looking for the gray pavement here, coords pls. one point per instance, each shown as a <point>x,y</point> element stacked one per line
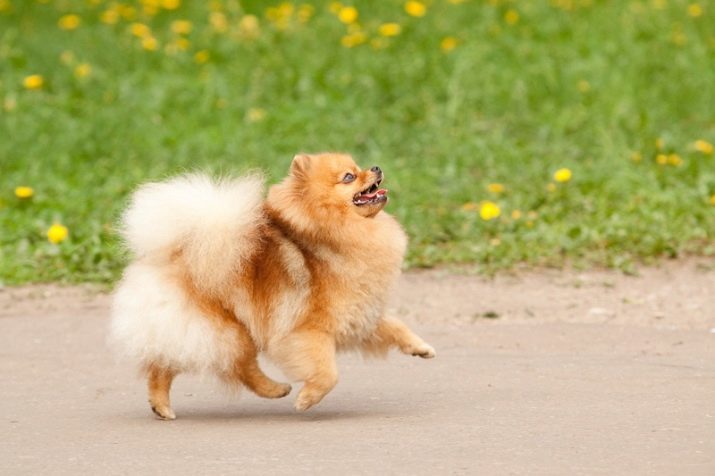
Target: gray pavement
<point>499,398</point>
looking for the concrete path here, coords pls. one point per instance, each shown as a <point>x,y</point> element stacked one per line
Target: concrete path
<point>502,397</point>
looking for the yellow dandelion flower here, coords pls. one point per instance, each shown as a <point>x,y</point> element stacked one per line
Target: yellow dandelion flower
<point>140,30</point>
<point>9,104</point>
<point>5,6</point>
<point>181,27</point>
<point>280,16</point>
<point>256,114</point>
<point>636,157</point>
<point>57,233</point>
<point>202,56</point>
<point>712,199</point>
<point>286,9</point>
<point>661,159</point>
<point>703,147</point>
<point>305,11</point>
<point>127,12</point>
<point>389,29</point>
<point>150,7</point>
<point>181,44</point>
<point>218,22</point>
<point>660,143</point>
<point>353,39</point>
<point>415,9</point>
<point>562,175</point>
<point>170,4</point>
<point>674,159</point>
<point>273,15</point>
<point>448,43</point>
<point>248,26</point>
<point>511,17</point>
<point>695,10</point>
<point>24,192</point>
<point>34,81</point>
<point>82,70</point>
<point>109,17</point>
<point>469,206</point>
<point>348,15</point>
<point>495,187</point>
<point>516,214</point>
<point>489,210</point>
<point>69,22</point>
<point>150,43</point>
<point>584,86</point>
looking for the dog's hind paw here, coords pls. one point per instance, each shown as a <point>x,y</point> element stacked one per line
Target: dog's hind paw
<point>425,351</point>
<point>267,388</point>
<point>282,389</point>
<point>163,412</point>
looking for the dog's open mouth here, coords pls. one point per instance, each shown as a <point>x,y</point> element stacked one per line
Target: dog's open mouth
<point>371,195</point>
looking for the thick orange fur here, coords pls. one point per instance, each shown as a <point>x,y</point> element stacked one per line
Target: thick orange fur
<point>314,280</point>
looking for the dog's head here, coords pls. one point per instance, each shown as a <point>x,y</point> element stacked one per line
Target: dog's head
<point>334,182</point>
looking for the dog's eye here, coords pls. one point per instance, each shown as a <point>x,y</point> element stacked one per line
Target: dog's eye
<point>348,178</point>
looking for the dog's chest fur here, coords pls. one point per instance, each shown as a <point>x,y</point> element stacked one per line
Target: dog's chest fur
<point>358,302</point>
<point>346,288</point>
<point>358,290</point>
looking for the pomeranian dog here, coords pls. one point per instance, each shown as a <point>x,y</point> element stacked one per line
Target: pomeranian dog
<point>220,274</point>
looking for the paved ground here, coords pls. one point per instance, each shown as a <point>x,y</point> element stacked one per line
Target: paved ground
<point>580,373</point>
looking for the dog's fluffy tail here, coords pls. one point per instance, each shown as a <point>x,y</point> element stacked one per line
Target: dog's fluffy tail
<point>212,223</point>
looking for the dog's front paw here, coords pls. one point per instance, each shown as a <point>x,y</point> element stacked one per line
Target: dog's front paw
<point>304,401</point>
<point>310,395</point>
<point>425,351</point>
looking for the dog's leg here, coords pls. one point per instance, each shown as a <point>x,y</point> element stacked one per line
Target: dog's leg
<point>247,371</point>
<point>308,355</point>
<point>262,385</point>
<point>160,379</point>
<point>250,374</point>
<point>392,332</point>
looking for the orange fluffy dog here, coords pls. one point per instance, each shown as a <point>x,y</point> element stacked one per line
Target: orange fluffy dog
<point>220,275</point>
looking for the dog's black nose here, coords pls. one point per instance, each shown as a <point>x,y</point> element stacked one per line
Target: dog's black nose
<point>376,169</point>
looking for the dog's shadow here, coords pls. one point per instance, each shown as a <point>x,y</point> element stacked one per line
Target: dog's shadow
<point>279,416</point>
<point>283,416</point>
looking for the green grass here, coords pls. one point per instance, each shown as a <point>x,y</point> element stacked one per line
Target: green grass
<point>582,88</point>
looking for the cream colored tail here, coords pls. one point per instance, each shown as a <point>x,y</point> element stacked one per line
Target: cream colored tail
<point>213,223</point>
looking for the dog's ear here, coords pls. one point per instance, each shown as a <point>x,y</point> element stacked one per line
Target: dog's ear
<point>300,166</point>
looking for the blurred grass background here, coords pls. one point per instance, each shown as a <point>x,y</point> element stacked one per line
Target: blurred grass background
<point>469,106</point>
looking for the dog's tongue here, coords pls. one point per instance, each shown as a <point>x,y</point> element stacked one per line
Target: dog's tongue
<point>381,191</point>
